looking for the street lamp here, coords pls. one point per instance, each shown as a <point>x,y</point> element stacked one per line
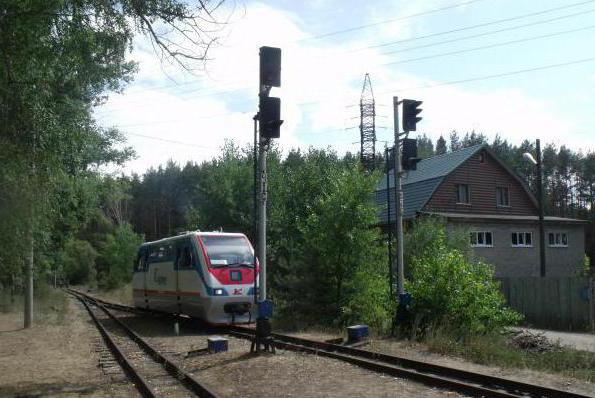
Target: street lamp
<point>528,157</point>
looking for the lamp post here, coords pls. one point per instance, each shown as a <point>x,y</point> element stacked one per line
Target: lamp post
<point>537,163</point>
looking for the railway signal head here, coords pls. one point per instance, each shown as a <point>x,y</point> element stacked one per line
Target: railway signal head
<point>409,157</point>
<point>270,66</point>
<point>410,111</point>
<point>270,117</point>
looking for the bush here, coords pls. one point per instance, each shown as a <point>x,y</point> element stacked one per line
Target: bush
<point>450,290</point>
<point>78,261</point>
<point>117,256</point>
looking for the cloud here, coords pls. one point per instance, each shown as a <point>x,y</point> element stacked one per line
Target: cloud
<point>321,81</point>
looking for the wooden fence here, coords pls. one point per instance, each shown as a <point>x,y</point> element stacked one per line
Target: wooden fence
<point>562,303</point>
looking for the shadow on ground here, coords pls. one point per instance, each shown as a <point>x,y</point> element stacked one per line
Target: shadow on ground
<point>31,390</point>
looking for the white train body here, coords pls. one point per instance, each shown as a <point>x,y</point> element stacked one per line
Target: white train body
<point>209,275</point>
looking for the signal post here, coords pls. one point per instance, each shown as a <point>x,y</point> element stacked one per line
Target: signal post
<point>269,123</point>
<point>405,159</point>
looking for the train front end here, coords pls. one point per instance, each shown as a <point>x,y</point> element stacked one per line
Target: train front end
<point>229,259</point>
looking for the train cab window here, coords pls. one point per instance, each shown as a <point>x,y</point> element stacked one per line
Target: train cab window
<point>153,254</point>
<point>184,257</point>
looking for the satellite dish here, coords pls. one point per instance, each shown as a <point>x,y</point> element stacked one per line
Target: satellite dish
<point>528,157</point>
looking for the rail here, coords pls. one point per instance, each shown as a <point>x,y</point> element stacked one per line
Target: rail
<point>466,382</point>
<point>189,381</point>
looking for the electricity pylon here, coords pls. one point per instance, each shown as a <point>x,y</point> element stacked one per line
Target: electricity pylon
<point>367,126</point>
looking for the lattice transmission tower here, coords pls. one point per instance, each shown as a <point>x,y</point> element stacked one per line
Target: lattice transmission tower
<point>367,126</point>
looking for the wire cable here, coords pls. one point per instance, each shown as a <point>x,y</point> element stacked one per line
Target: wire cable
<point>170,141</point>
<point>435,34</point>
<point>461,81</point>
<point>506,43</point>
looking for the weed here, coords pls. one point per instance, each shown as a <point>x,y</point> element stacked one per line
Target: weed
<point>495,350</point>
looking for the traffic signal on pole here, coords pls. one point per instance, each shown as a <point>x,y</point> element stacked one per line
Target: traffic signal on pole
<point>410,111</point>
<point>409,157</point>
<point>270,66</point>
<point>270,117</point>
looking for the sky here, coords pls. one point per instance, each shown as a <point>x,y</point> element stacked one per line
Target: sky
<point>522,69</point>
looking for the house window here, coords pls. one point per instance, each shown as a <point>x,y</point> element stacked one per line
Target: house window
<point>481,239</point>
<point>522,239</point>
<point>558,239</point>
<point>463,194</point>
<point>502,196</point>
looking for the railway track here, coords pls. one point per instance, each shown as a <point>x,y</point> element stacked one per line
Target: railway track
<point>469,383</point>
<point>153,374</point>
<point>465,382</point>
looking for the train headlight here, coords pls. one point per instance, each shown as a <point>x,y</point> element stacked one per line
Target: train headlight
<point>218,292</point>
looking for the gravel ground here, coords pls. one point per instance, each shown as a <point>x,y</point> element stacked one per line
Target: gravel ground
<point>237,373</point>
<point>57,360</point>
<point>420,353</point>
<point>287,374</point>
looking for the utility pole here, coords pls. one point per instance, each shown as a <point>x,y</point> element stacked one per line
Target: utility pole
<point>28,315</point>
<point>390,229</point>
<point>541,211</point>
<point>398,202</point>
<point>255,203</point>
<point>29,277</point>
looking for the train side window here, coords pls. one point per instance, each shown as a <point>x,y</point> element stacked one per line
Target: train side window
<point>141,261</point>
<point>184,257</point>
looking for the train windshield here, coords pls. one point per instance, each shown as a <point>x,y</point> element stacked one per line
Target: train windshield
<point>228,251</point>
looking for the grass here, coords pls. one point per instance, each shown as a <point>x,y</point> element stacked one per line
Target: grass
<point>494,350</point>
<point>50,305</point>
<point>122,294</point>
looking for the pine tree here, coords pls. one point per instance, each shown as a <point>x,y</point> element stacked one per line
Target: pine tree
<point>440,146</point>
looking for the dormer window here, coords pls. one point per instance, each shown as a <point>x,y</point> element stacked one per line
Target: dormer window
<point>502,197</point>
<point>463,196</point>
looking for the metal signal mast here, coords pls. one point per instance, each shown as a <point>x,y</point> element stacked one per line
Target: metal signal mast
<point>367,126</point>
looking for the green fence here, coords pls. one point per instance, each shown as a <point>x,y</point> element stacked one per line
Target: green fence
<point>562,303</point>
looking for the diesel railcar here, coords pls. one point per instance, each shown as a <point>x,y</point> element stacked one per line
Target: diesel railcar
<point>209,275</point>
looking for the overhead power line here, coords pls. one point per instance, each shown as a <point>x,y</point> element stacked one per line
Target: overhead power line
<point>330,54</point>
<point>506,43</point>
<point>217,93</point>
<point>460,81</point>
<point>497,75</point>
<point>170,141</point>
<point>481,25</point>
<point>351,29</point>
<point>365,26</point>
<point>490,32</point>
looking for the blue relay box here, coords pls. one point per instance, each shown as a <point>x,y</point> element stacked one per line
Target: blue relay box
<point>358,333</point>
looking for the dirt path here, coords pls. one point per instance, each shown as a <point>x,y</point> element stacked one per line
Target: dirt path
<point>58,357</point>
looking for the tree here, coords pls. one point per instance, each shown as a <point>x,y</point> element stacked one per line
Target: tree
<point>440,146</point>
<point>425,147</point>
<point>116,257</point>
<point>58,59</point>
<point>78,262</point>
<point>455,142</point>
<point>472,139</point>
